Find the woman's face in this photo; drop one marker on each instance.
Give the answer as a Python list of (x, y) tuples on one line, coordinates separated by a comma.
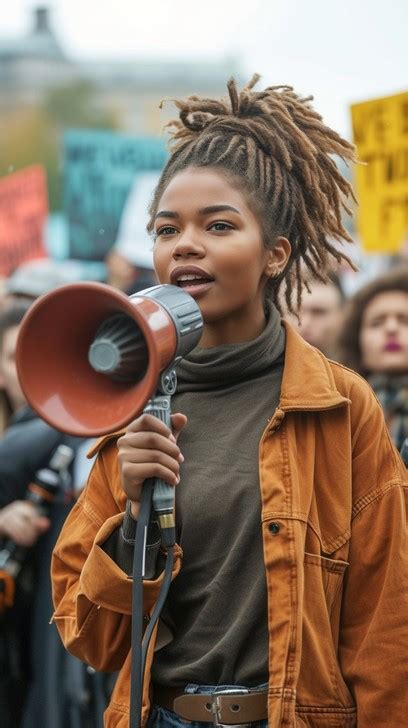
[(384, 333), (209, 242)]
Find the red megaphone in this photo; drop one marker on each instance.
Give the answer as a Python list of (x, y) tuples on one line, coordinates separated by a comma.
[(89, 357)]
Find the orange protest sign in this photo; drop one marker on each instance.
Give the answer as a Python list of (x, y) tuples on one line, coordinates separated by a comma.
[(23, 211)]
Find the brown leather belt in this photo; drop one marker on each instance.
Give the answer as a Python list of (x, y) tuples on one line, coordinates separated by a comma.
[(220, 708)]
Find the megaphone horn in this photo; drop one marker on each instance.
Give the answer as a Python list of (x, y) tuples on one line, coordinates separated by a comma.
[(89, 357)]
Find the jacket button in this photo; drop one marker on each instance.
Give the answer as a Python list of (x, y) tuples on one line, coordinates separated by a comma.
[(274, 528)]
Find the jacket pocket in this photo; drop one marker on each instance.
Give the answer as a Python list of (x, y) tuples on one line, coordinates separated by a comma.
[(330, 571), (321, 684), (320, 718)]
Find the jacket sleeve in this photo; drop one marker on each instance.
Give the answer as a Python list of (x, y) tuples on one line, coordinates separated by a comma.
[(374, 622), (92, 595)]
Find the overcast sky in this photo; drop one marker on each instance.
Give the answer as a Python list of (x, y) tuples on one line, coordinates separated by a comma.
[(340, 51)]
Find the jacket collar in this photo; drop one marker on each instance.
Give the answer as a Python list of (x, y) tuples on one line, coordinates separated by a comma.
[(308, 382)]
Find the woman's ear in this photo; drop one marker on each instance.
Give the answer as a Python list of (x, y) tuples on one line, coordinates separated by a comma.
[(278, 257)]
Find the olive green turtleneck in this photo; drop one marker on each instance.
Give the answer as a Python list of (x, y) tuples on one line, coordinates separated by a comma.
[(217, 605)]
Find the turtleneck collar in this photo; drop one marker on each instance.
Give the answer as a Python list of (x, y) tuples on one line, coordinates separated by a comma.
[(225, 365)]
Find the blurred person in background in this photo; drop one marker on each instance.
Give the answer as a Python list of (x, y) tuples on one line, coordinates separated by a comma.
[(36, 277), (18, 519), (373, 340), (10, 393), (130, 262), (40, 683), (126, 274), (21, 454), (3, 293), (30, 280), (19, 458), (320, 314)]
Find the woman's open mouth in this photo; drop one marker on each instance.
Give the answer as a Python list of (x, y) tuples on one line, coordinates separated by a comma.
[(194, 286), (193, 281)]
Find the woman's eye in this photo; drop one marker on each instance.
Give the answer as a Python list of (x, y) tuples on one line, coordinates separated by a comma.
[(220, 227), (165, 230)]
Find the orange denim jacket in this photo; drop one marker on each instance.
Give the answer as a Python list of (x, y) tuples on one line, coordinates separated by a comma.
[(336, 559)]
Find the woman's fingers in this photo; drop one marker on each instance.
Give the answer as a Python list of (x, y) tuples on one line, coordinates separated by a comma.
[(149, 423), (150, 464), (132, 442), (23, 523), (149, 449), (147, 455), (178, 421)]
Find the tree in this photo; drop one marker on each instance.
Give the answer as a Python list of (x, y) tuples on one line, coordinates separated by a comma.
[(30, 135)]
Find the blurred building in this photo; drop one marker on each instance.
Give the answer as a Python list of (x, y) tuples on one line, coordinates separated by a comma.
[(37, 62)]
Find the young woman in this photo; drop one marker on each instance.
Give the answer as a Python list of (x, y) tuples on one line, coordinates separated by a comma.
[(290, 578), (374, 341)]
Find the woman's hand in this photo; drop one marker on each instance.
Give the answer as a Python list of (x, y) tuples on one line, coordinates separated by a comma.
[(149, 449), (21, 522)]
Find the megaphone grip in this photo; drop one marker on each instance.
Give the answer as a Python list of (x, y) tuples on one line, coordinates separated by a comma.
[(163, 493)]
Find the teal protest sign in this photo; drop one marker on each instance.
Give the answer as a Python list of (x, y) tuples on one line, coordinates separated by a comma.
[(99, 171)]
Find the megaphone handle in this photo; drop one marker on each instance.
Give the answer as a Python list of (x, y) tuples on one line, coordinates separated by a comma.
[(163, 493)]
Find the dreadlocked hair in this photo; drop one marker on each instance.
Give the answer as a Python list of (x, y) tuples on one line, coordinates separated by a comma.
[(274, 147)]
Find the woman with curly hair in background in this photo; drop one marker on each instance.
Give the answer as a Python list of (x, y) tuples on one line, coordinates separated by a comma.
[(374, 341)]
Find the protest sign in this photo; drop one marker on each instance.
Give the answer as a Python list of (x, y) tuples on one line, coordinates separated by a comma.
[(99, 171), (23, 212), (133, 241), (380, 130)]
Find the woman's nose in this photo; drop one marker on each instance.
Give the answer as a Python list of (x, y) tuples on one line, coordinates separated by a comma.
[(188, 245), (391, 324)]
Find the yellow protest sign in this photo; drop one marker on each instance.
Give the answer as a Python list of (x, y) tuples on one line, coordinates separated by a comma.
[(380, 130)]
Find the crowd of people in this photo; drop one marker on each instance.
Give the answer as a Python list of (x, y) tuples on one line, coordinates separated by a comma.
[(40, 683), (367, 332), (240, 358)]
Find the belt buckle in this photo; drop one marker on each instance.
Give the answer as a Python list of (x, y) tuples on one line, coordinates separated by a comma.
[(216, 707)]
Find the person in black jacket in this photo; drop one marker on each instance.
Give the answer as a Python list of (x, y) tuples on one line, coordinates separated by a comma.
[(18, 520), (40, 684)]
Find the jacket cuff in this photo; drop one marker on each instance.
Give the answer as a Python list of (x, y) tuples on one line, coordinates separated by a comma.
[(105, 584), (120, 546)]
